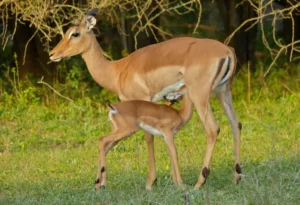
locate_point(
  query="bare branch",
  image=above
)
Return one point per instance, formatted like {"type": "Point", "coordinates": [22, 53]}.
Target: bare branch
{"type": "Point", "coordinates": [265, 10]}
{"type": "Point", "coordinates": [49, 18]}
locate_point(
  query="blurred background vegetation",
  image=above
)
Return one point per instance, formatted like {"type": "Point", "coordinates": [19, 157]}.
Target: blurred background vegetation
{"type": "Point", "coordinates": [264, 33]}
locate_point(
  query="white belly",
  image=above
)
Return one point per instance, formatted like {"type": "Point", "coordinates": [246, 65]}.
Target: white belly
{"type": "Point", "coordinates": [151, 130]}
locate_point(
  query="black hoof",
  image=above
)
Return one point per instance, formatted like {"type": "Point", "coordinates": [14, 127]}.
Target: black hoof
{"type": "Point", "coordinates": [205, 172]}
{"type": "Point", "coordinates": [238, 169]}
{"type": "Point", "coordinates": [97, 181]}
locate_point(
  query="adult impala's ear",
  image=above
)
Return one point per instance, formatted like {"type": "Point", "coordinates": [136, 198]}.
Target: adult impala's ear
{"type": "Point", "coordinates": [92, 12]}
{"type": "Point", "coordinates": [90, 19]}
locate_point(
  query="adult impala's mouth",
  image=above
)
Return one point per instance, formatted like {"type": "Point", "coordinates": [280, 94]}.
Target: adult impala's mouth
{"type": "Point", "coordinates": [54, 59]}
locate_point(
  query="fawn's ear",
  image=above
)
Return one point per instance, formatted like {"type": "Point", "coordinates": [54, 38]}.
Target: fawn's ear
{"type": "Point", "coordinates": [112, 109]}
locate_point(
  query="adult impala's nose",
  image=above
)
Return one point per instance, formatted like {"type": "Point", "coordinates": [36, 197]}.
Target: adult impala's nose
{"type": "Point", "coordinates": [55, 58]}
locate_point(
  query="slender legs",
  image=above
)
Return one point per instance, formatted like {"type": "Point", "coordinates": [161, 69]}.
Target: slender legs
{"type": "Point", "coordinates": [200, 97]}
{"type": "Point", "coordinates": [169, 139]}
{"type": "Point", "coordinates": [225, 99]}
{"type": "Point", "coordinates": [212, 130]}
{"type": "Point", "coordinates": [109, 141]}
{"type": "Point", "coordinates": [149, 138]}
{"type": "Point", "coordinates": [105, 144]}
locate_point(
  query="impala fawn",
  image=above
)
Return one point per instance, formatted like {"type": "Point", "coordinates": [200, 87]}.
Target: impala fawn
{"type": "Point", "coordinates": [158, 119]}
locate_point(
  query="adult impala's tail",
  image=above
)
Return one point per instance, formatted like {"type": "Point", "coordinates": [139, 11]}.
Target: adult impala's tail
{"type": "Point", "coordinates": [225, 72]}
{"type": "Point", "coordinates": [226, 75]}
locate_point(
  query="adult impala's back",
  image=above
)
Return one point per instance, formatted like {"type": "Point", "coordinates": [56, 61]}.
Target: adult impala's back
{"type": "Point", "coordinates": [152, 72]}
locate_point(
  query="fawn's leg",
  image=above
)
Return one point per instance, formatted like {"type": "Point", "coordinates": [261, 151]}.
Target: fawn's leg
{"type": "Point", "coordinates": [151, 160]}
{"type": "Point", "coordinates": [169, 139]}
{"type": "Point", "coordinates": [105, 144]}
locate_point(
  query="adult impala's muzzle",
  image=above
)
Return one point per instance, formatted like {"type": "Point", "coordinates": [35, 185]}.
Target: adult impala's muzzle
{"type": "Point", "coordinates": [53, 58]}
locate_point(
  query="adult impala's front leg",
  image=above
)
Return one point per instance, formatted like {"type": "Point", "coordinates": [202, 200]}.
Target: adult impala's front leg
{"type": "Point", "coordinates": [151, 160]}
{"type": "Point", "coordinates": [212, 131]}
{"type": "Point", "coordinates": [201, 99]}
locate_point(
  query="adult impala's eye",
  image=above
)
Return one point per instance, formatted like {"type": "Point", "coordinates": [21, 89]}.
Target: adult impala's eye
{"type": "Point", "coordinates": [75, 34]}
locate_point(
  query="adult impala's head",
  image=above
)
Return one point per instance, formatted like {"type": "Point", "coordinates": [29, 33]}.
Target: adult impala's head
{"type": "Point", "coordinates": [77, 39]}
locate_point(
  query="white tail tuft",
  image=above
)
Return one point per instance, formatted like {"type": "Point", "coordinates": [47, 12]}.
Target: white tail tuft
{"type": "Point", "coordinates": [113, 109]}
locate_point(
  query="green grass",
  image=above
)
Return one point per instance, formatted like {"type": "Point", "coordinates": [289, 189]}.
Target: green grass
{"type": "Point", "coordinates": [48, 151]}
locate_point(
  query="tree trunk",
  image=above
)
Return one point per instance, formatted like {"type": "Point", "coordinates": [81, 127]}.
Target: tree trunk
{"type": "Point", "coordinates": [36, 58]}
{"type": "Point", "coordinates": [142, 39]}
{"type": "Point", "coordinates": [243, 41]}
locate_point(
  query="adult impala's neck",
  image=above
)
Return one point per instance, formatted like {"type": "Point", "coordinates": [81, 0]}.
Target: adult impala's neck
{"type": "Point", "coordinates": [102, 70]}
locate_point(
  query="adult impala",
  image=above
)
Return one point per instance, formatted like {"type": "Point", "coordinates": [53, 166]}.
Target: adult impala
{"type": "Point", "coordinates": [150, 73]}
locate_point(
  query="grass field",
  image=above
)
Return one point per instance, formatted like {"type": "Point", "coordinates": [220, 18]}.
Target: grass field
{"type": "Point", "coordinates": [48, 151]}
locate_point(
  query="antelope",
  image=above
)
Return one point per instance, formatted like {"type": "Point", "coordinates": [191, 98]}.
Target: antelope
{"type": "Point", "coordinates": [158, 119]}
{"type": "Point", "coordinates": [203, 66]}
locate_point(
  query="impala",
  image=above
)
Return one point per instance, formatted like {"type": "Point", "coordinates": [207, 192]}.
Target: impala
{"type": "Point", "coordinates": [203, 66]}
{"type": "Point", "coordinates": [158, 119]}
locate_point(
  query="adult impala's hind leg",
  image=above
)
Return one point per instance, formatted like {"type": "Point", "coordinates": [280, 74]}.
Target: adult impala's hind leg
{"type": "Point", "coordinates": [225, 99]}
{"type": "Point", "coordinates": [202, 105]}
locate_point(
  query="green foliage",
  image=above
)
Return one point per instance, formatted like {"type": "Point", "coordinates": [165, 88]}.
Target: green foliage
{"type": "Point", "coordinates": [48, 148]}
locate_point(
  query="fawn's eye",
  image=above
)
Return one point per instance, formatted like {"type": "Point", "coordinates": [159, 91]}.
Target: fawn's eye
{"type": "Point", "coordinates": [75, 34]}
